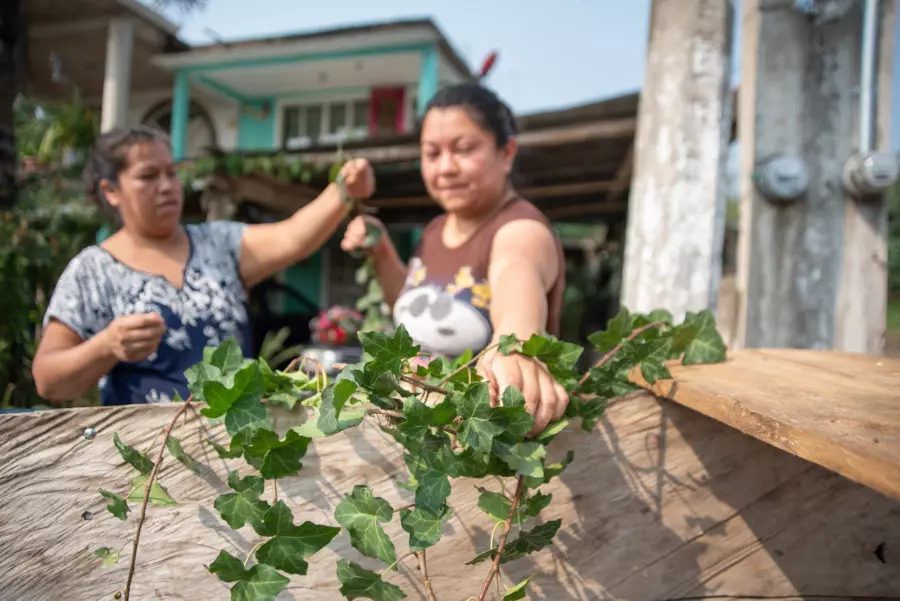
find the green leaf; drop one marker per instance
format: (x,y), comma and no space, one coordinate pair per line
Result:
(514,421)
(423,525)
(619,328)
(227,356)
(552,431)
(178,452)
(235,451)
(243,506)
(362,513)
(135,458)
(117,506)
(388,352)
(221,395)
(291,544)
(706,345)
(109,556)
(554,470)
(495,504)
(536,504)
(280,457)
(259,583)
(199,375)
(334,398)
(432,469)
(359,583)
(418,419)
(527,542)
(509,344)
(158,493)
(476,430)
(517,592)
(526,458)
(246,414)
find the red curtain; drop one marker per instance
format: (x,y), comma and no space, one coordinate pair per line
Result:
(387,110)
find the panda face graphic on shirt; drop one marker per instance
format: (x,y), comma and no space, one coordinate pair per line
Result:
(440,322)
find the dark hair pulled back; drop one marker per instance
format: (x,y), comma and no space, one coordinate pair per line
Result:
(109,157)
(482,105)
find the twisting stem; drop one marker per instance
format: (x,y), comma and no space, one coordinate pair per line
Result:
(150,481)
(385,412)
(423,567)
(424,385)
(606,358)
(252,551)
(401,558)
(495,567)
(470,363)
(275,490)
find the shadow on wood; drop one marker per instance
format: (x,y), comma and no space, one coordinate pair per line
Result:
(660,503)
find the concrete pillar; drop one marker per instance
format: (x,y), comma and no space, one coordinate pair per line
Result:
(181,106)
(117,78)
(811,272)
(676,214)
(429,76)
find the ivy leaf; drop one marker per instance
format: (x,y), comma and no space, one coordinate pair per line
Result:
(243,506)
(509,344)
(117,505)
(517,592)
(552,431)
(706,345)
(291,544)
(525,457)
(554,470)
(246,414)
(359,583)
(495,504)
(589,411)
(199,375)
(135,458)
(515,422)
(227,357)
(334,398)
(477,430)
(431,470)
(280,458)
(178,452)
(418,419)
(536,504)
(360,513)
(527,542)
(109,556)
(618,328)
(388,351)
(650,355)
(423,525)
(259,583)
(235,451)
(221,395)
(158,493)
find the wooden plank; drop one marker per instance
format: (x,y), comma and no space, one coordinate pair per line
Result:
(676,213)
(660,501)
(840,411)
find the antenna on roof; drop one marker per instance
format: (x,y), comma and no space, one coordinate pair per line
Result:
(488,64)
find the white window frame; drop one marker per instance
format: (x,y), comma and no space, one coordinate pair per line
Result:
(356,130)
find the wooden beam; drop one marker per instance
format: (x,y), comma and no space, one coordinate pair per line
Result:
(861,316)
(604,207)
(676,215)
(799,97)
(531,193)
(623,176)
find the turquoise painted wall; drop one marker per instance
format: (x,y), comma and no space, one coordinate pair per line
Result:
(256,128)
(305,277)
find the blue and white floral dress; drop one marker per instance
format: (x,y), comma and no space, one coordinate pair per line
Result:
(209,308)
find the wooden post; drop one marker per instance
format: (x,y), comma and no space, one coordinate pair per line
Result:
(676,214)
(806,268)
(861,318)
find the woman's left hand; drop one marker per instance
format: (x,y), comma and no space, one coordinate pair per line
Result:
(545,398)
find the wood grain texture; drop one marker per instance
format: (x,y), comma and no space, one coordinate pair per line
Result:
(838,410)
(660,502)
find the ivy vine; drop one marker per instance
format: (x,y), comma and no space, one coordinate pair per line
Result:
(442,417)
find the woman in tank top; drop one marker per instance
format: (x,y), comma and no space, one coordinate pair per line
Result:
(491,265)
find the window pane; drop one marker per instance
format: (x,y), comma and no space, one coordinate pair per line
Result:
(291,124)
(314,122)
(338,118)
(361,114)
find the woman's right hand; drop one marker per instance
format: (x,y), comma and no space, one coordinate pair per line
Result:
(363,234)
(133,338)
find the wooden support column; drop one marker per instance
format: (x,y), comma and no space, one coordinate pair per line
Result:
(117,77)
(676,215)
(811,273)
(861,318)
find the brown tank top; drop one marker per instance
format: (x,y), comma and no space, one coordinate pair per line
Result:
(446,300)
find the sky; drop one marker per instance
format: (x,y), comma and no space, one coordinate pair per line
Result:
(552,55)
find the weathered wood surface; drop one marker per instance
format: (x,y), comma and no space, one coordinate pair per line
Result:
(660,503)
(676,213)
(839,410)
